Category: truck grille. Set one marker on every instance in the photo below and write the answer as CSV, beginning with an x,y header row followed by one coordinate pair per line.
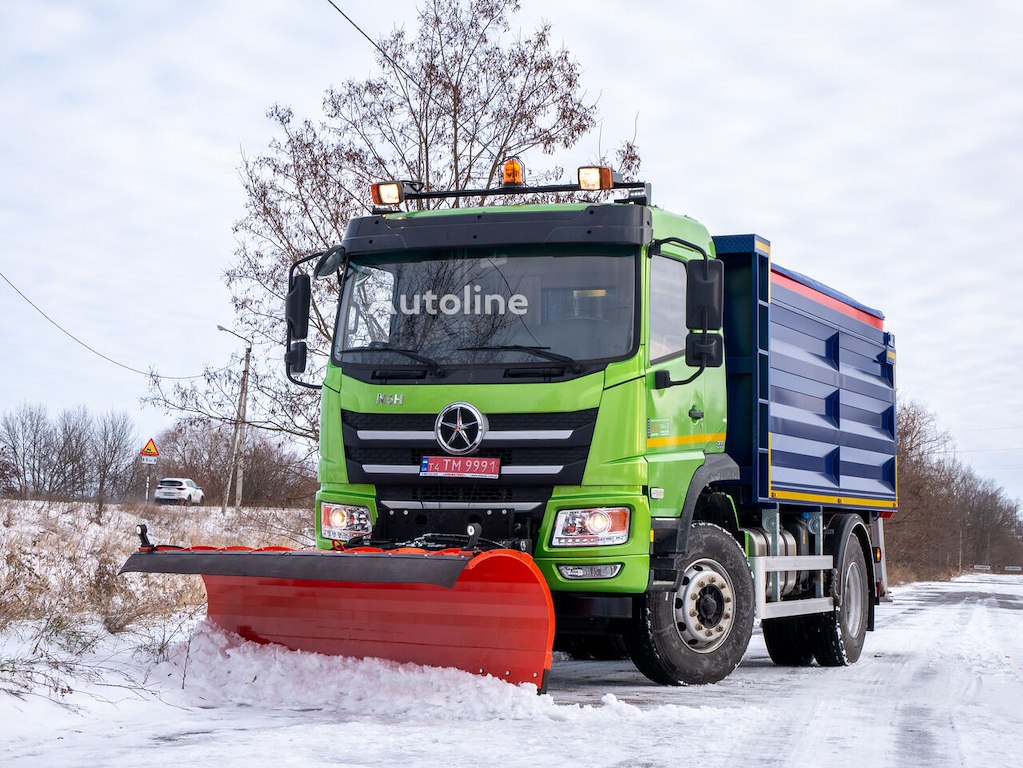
x,y
535,448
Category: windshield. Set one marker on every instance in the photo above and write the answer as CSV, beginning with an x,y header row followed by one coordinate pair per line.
x,y
473,306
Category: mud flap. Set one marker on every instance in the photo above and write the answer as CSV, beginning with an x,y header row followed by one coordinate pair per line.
x,y
486,613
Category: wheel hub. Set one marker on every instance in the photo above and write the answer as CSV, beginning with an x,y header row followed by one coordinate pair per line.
x,y
852,600
704,606
710,606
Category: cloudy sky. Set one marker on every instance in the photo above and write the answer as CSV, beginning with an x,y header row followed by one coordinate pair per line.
x,y
877,144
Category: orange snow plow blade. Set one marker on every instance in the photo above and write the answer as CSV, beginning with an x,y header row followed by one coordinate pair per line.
x,y
484,612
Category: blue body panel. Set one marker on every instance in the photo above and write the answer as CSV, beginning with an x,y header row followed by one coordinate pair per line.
x,y
811,376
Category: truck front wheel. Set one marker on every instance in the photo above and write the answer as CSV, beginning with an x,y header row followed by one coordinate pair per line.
x,y
698,633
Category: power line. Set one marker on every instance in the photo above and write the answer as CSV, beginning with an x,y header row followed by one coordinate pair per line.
x,y
376,45
96,352
424,91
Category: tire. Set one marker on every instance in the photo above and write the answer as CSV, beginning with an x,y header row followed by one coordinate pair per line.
x,y
202,500
838,635
668,640
789,641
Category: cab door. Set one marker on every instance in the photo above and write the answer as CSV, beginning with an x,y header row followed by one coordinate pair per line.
x,y
676,433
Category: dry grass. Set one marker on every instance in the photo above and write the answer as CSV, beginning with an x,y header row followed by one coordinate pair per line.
x,y
59,577
905,574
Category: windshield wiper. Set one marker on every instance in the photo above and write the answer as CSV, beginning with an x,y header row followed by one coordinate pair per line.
x,y
378,346
544,352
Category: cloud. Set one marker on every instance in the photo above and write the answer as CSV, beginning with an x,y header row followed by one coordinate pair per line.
x,y
876,145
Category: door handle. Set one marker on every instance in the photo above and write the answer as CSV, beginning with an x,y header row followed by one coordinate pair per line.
x,y
695,413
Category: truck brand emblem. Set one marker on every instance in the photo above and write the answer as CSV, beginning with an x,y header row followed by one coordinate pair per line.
x,y
383,399
460,428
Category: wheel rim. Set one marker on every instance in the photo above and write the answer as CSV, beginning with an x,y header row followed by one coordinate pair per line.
x,y
852,600
704,606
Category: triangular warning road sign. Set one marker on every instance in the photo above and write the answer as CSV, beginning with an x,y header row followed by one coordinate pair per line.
x,y
150,449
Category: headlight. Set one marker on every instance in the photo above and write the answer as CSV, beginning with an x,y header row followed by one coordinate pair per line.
x,y
591,527
342,522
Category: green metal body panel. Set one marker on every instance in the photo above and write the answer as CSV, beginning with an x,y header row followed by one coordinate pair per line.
x,y
643,439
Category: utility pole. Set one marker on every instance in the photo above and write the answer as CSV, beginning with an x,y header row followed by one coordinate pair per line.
x,y
242,407
237,439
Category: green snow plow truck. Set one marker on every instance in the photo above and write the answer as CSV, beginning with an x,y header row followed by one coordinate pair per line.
x,y
585,423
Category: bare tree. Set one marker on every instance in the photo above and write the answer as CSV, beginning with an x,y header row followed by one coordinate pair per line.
x,y
275,475
199,451
948,515
74,457
71,478
113,456
26,437
446,106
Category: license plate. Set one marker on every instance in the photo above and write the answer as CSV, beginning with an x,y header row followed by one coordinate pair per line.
x,y
460,466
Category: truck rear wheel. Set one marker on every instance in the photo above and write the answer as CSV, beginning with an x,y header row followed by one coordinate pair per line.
x,y
838,635
698,633
788,640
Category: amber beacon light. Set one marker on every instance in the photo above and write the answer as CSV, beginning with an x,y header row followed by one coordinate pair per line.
x,y
514,174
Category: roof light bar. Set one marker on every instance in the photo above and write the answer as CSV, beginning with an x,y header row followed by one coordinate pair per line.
x,y
592,178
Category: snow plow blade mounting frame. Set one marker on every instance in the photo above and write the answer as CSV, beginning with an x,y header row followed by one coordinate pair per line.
x,y
483,612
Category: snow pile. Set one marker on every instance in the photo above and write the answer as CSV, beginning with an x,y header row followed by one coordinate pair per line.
x,y
216,669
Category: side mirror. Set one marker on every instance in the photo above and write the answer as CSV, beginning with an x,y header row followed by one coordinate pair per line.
x,y
329,263
296,309
704,350
705,295
296,316
295,358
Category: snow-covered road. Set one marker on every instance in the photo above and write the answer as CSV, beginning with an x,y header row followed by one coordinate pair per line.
x,y
939,684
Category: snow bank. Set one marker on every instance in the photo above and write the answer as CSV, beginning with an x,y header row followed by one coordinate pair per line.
x,y
215,669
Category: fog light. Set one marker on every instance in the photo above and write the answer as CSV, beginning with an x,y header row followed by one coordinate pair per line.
x,y
590,571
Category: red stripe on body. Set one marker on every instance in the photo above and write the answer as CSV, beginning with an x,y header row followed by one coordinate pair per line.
x,y
829,301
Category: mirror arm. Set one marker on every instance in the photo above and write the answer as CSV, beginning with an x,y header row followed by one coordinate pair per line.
x,y
663,380
301,383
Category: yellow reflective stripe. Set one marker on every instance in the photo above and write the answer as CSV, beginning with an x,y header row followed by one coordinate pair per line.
x,y
674,440
792,496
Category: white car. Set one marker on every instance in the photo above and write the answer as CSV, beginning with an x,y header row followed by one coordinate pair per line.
x,y
179,490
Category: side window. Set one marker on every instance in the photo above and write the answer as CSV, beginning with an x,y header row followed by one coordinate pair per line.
x,y
667,308
370,308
